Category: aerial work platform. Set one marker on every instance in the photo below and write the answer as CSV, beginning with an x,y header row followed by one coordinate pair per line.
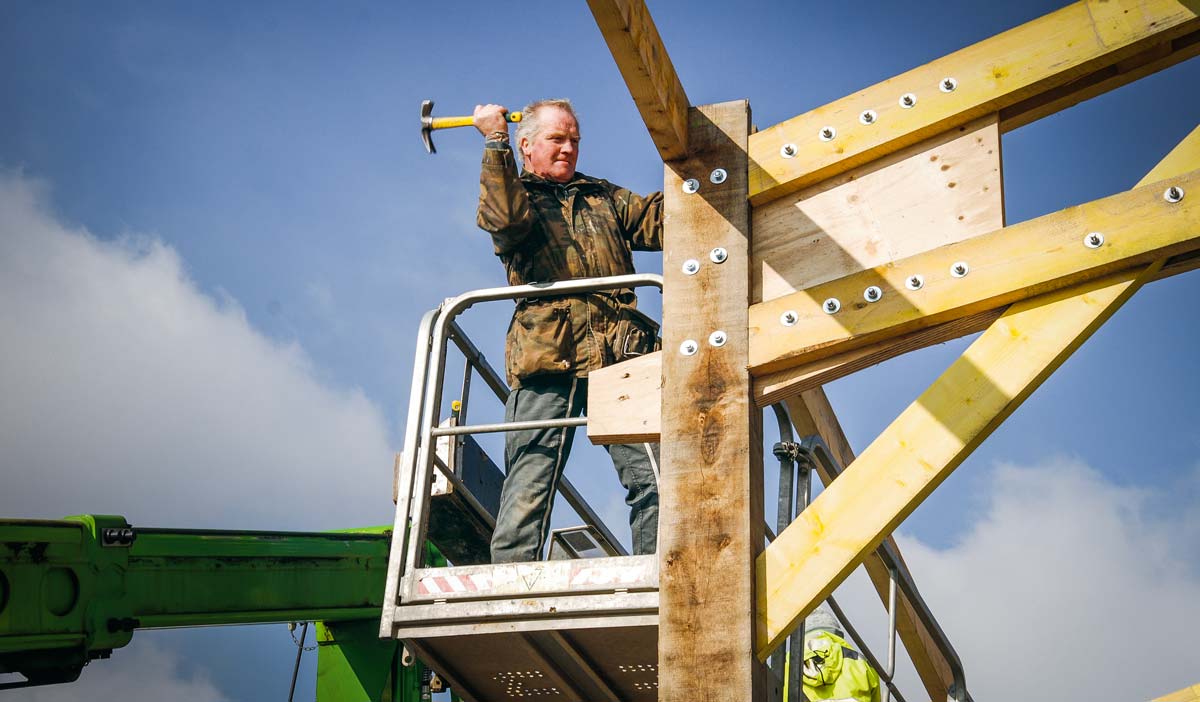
x,y
584,628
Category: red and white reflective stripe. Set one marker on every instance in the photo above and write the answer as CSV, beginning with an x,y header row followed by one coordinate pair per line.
x,y
445,584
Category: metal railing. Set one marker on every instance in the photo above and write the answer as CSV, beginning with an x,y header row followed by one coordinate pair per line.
x,y
421,431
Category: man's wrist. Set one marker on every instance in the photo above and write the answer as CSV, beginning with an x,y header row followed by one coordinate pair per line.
x,y
496,140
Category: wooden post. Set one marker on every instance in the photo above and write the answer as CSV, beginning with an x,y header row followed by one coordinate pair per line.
x,y
711,488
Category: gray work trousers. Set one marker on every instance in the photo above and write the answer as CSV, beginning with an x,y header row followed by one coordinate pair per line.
x,y
534,461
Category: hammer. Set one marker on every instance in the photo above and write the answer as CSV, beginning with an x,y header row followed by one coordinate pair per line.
x,y
430,123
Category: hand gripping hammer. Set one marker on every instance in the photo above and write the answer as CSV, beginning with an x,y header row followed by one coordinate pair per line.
x,y
430,123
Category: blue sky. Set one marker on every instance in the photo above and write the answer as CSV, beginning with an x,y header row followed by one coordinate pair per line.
x,y
219,229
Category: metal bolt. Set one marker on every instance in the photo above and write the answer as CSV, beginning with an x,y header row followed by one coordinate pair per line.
x,y
872,294
948,85
908,100
788,151
789,318
717,176
832,305
718,255
689,347
1173,194
1094,240
691,185
915,281
959,269
717,338
868,116
828,133
691,266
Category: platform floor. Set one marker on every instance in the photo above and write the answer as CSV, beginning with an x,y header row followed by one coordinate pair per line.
x,y
581,665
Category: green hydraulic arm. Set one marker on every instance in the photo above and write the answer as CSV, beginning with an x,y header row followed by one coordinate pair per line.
x,y
74,590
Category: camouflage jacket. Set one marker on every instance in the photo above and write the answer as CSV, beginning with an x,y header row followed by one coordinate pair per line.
x,y
545,231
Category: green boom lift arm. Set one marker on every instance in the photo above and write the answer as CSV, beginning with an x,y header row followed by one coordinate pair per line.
x,y
75,589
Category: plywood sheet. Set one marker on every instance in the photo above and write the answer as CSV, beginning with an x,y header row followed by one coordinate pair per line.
x,y
937,192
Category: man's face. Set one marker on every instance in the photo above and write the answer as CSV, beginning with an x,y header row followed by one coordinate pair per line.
x,y
554,150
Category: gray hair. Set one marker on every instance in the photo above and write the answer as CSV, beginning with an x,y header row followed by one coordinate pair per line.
x,y
529,125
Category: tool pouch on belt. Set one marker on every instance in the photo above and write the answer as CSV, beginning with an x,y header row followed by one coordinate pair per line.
x,y
540,339
635,334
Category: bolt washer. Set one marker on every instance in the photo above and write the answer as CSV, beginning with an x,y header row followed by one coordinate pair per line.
x,y
718,255
689,347
948,85
691,266
868,117
717,338
788,151
1094,240
908,100
832,305
691,185
1173,194
916,281
718,176
827,133
789,318
873,294
960,269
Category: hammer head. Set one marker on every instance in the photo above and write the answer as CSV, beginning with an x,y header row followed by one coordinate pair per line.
x,y
427,126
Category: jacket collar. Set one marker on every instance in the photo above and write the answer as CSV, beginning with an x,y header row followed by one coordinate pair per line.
x,y
579,180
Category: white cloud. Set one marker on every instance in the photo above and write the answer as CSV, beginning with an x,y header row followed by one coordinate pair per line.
x,y
140,671
1067,587
126,390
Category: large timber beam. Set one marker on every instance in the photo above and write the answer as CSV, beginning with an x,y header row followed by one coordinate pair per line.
x,y
710,527
638,50
933,436
1007,265
1025,73
1187,694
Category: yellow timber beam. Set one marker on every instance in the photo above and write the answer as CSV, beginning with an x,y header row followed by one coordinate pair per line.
x,y
931,438
1025,73
1187,694
1080,243
642,59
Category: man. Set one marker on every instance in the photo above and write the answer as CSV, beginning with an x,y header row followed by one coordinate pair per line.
x,y
832,668
553,223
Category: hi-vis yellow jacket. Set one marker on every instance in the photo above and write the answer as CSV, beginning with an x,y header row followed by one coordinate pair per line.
x,y
833,670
